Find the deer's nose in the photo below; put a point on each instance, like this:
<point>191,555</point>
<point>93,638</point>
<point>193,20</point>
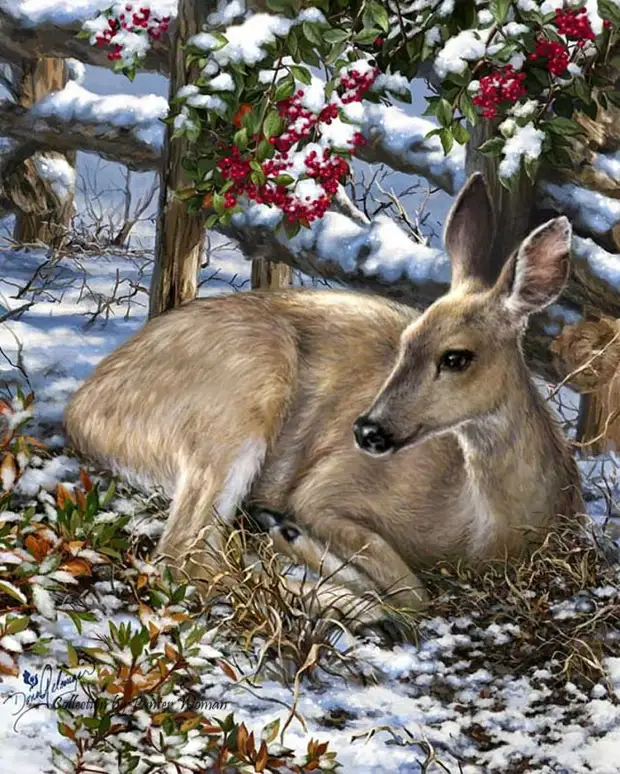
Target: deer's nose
<point>371,437</point>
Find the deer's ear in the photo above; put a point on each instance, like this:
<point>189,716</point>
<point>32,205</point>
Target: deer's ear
<point>537,273</point>
<point>469,234</point>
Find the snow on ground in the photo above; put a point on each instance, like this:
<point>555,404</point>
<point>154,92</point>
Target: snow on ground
<point>439,691</point>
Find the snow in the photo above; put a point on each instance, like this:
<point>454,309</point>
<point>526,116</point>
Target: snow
<point>246,41</point>
<point>601,263</point>
<point>59,173</point>
<point>588,209</point>
<point>404,136</point>
<point>227,11</point>
<point>465,47</point>
<point>526,142</point>
<point>222,82</point>
<point>142,114</point>
<point>608,163</point>
<point>69,12</point>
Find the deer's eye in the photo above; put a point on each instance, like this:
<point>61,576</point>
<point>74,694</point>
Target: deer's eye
<point>455,360</point>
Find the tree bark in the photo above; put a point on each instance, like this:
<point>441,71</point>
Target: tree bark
<point>49,225</point>
<point>180,234</point>
<point>270,275</point>
<point>513,208</point>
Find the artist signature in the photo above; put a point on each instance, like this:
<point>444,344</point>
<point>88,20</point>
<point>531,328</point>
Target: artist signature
<point>49,687</point>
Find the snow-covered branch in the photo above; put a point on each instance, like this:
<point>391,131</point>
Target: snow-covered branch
<point>53,33</point>
<point>123,128</point>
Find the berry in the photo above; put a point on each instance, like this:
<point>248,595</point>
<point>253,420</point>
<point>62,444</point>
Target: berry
<point>556,55</point>
<point>505,85</point>
<point>574,24</point>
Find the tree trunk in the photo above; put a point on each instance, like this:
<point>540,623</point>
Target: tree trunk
<point>513,208</point>
<point>269,275</point>
<point>180,234</point>
<point>36,79</point>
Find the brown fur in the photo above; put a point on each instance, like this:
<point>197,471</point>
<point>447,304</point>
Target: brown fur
<point>199,387</point>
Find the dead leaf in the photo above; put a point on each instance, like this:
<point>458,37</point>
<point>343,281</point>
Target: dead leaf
<point>64,496</point>
<point>8,472</point>
<point>262,757</point>
<point>86,481</point>
<point>38,546</point>
<point>228,670</point>
<point>77,567</point>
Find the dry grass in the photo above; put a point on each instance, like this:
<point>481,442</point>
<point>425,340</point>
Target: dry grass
<point>550,596</point>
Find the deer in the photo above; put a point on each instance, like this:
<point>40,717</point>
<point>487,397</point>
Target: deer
<point>375,439</point>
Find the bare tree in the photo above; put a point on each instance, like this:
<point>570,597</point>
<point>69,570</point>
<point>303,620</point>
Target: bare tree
<point>30,81</point>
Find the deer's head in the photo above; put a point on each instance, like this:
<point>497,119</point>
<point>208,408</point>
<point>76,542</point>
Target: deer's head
<point>458,360</point>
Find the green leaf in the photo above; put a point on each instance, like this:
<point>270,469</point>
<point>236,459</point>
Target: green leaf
<point>366,36</point>
<point>284,89</point>
<point>15,625</point>
<point>607,9</point>
<point>72,656</point>
<point>563,126</point>
<point>211,220</point>
<point>311,33</point>
<point>264,151</point>
<point>301,74</point>
<point>499,9</point>
<point>492,147</point>
<point>444,112</point>
<point>284,180</point>
<point>280,6</point>
<point>335,36</point>
<point>377,15</point>
<point>240,139</point>
<point>272,125</point>
<point>447,140</point>
<point>467,108</point>
<point>461,135</point>
<point>531,168</point>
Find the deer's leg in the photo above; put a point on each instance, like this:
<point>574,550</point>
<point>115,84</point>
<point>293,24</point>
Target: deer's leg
<point>355,561</point>
<point>204,505</point>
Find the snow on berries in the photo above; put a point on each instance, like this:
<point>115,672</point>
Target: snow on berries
<point>505,85</point>
<point>127,30</point>
<point>302,176</point>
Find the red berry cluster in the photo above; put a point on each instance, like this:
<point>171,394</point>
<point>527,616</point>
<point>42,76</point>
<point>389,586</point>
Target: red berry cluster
<point>132,21</point>
<point>505,85</point>
<point>556,55</point>
<point>356,83</point>
<point>327,169</point>
<point>575,25</point>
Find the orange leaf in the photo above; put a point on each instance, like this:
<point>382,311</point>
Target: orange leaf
<point>170,652</point>
<point>7,669</point>
<point>244,109</point>
<point>142,579</point>
<point>73,546</point>
<point>39,547</point>
<point>34,442</point>
<point>242,738</point>
<point>77,567</point>
<point>86,480</point>
<point>8,472</point>
<point>64,496</point>
<point>228,670</point>
<point>262,757</point>
<point>207,201</point>
<point>153,631</point>
<point>321,748</point>
<point>81,500</point>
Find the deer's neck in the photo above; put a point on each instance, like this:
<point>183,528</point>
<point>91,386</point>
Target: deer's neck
<point>518,469</point>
